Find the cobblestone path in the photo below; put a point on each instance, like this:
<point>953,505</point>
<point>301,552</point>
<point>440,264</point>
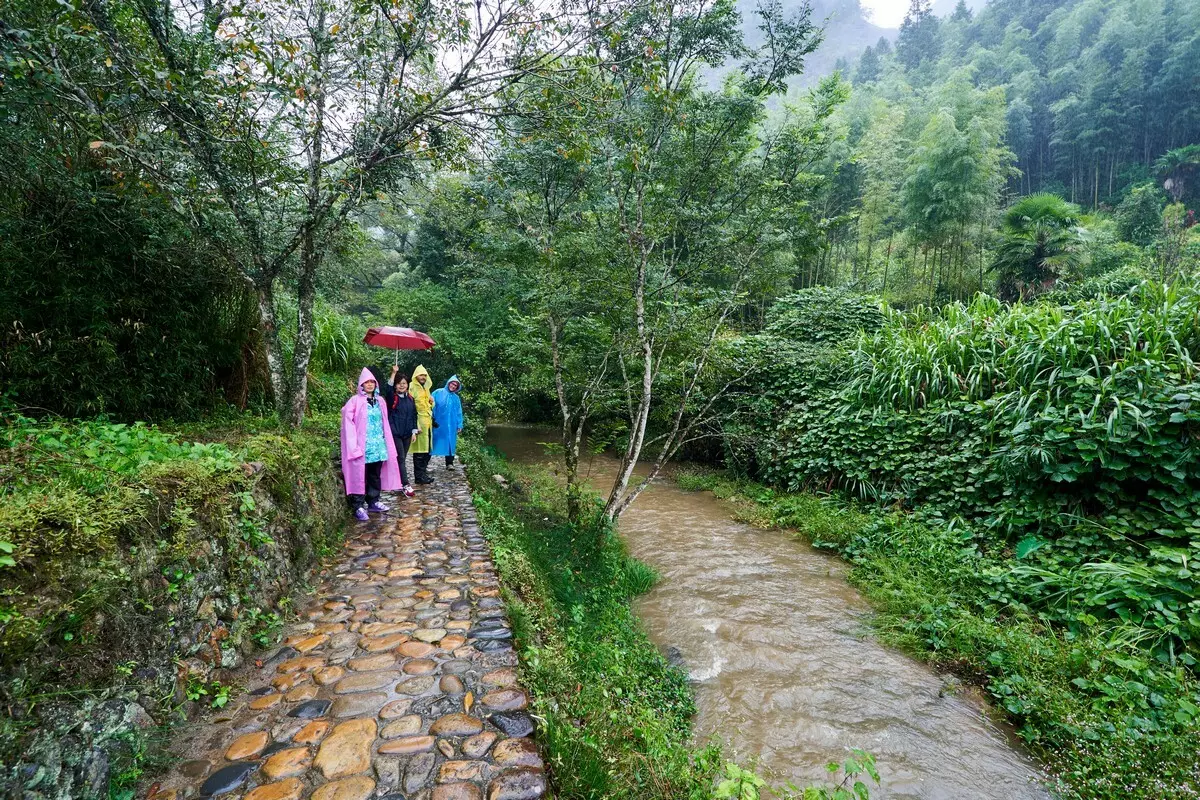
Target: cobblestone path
<point>397,683</point>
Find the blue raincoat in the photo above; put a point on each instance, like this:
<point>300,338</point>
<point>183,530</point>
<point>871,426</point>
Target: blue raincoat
<point>448,417</point>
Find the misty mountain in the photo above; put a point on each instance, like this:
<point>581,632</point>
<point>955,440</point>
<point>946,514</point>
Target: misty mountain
<point>847,33</point>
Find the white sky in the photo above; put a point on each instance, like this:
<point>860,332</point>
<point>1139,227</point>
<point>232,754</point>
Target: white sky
<point>886,13</point>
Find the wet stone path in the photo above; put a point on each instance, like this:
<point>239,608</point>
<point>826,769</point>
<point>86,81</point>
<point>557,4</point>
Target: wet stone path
<point>398,682</point>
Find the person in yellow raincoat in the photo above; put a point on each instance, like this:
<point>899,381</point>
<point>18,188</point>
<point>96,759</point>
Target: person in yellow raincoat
<point>419,388</point>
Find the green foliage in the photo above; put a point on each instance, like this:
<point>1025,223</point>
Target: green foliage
<point>213,693</point>
<point>138,754</point>
<point>823,316</point>
<point>1040,243</point>
<point>117,533</point>
<point>738,784</point>
<point>616,717</point>
<point>337,347</point>
<point>1179,170</point>
<point>109,304</point>
<point>1072,424</point>
<point>1139,217</point>
<point>851,787</point>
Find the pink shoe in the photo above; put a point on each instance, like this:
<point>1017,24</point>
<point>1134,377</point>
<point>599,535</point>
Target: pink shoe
<point>408,491</point>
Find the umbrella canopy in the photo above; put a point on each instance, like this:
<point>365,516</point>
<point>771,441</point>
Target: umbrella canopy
<point>398,338</point>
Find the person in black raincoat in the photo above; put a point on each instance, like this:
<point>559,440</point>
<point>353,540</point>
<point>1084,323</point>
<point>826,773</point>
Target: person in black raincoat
<point>402,416</point>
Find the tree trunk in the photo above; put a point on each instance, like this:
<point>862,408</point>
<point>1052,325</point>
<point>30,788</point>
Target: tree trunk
<point>572,425</point>
<point>306,292</point>
<point>633,451</point>
<point>310,249</point>
<point>887,262</point>
<point>265,293</point>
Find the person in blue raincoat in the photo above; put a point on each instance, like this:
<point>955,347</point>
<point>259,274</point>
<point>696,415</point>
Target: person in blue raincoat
<point>447,420</point>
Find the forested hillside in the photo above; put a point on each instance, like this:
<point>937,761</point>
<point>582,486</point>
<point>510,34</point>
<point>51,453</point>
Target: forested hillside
<point>1088,100</point>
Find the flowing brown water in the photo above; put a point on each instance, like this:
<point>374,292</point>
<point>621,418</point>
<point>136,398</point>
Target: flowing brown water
<point>782,667</point>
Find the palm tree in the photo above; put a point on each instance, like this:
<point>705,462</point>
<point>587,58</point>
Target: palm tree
<point>1040,242</point>
<point>1178,170</point>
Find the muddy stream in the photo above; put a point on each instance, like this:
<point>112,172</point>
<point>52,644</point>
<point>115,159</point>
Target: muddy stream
<point>783,668</point>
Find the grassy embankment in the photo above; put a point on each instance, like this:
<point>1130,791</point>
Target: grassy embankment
<point>136,565</point>
<point>1086,708</point>
<point>616,717</point>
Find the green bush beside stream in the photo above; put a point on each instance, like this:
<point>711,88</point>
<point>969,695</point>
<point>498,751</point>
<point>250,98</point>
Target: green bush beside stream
<point>1030,493</point>
<point>616,716</point>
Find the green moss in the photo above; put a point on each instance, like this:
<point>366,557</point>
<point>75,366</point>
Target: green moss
<point>136,547</point>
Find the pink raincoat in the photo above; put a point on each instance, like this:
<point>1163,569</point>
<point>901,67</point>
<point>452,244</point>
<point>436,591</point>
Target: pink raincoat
<point>354,443</point>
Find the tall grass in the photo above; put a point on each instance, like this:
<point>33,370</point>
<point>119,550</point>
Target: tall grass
<point>1026,353</point>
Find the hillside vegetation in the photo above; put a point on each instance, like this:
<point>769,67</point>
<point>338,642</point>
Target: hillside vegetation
<point>1028,503</point>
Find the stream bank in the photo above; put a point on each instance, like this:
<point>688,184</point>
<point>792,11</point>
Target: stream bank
<point>782,666</point>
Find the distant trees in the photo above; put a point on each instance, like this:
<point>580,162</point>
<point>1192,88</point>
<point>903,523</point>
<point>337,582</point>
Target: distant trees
<point>1097,90</point>
<point>1079,98</point>
<point>869,67</point>
<point>918,42</point>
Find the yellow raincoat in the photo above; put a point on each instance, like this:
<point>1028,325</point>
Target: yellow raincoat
<point>424,400</point>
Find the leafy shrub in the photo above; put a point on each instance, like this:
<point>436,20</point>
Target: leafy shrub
<point>823,315</point>
<point>1139,216</point>
<point>1063,431</point>
<point>1114,283</point>
<point>110,305</point>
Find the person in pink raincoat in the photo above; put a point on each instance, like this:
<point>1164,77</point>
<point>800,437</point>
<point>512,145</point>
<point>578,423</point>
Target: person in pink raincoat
<point>369,462</point>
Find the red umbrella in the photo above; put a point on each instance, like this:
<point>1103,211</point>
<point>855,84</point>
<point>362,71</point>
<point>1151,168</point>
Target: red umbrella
<point>398,339</point>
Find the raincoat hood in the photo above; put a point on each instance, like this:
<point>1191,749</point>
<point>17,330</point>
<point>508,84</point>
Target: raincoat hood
<point>453,379</point>
<point>364,376</point>
<point>415,384</point>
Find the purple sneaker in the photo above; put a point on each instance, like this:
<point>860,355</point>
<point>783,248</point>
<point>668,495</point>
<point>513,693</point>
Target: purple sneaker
<point>360,514</point>
<point>379,507</point>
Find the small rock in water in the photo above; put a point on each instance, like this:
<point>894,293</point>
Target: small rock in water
<point>311,709</point>
<point>675,657</point>
<point>227,778</point>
